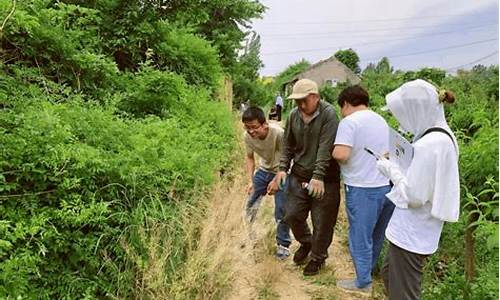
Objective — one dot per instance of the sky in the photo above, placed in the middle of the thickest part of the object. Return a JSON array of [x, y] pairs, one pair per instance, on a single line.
[[448, 34]]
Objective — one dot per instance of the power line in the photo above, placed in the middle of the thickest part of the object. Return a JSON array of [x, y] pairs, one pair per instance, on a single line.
[[433, 50], [372, 20], [448, 69], [359, 44], [359, 31], [350, 36], [473, 62]]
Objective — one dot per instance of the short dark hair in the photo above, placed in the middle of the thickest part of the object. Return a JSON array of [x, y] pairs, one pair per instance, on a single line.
[[253, 113], [354, 95]]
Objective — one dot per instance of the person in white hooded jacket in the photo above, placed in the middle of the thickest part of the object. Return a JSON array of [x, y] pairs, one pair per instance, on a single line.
[[426, 194]]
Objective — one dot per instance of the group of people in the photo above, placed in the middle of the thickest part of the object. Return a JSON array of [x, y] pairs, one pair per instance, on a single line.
[[301, 165]]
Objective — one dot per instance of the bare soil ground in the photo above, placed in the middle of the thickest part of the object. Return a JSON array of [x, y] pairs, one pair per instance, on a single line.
[[254, 272]]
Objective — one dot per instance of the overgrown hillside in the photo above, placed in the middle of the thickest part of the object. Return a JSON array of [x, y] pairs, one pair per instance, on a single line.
[[110, 132]]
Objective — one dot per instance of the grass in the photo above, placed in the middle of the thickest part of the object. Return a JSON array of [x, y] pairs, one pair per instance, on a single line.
[[186, 255], [326, 277], [323, 294], [269, 269], [267, 293], [265, 288]]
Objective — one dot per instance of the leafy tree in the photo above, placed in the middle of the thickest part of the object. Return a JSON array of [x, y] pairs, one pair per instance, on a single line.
[[249, 63], [433, 75], [369, 68], [289, 73], [246, 83], [127, 31], [350, 58], [383, 66]]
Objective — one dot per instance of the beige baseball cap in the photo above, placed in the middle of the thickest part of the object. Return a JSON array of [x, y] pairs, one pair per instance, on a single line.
[[303, 88]]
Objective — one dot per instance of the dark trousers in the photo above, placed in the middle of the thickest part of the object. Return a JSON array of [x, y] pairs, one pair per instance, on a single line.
[[323, 215], [278, 112], [402, 273]]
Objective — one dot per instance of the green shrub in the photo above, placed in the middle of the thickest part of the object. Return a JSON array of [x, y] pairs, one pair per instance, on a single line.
[[109, 135], [188, 55], [39, 34], [73, 175]]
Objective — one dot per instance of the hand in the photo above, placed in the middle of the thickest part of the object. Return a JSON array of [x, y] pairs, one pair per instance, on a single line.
[[272, 187], [281, 179], [316, 188], [384, 166], [249, 188], [390, 170]]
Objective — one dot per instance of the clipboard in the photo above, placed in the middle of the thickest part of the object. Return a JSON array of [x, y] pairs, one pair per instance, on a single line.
[[400, 150]]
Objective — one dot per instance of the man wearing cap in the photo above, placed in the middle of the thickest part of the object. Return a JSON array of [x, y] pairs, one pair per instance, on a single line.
[[314, 181]]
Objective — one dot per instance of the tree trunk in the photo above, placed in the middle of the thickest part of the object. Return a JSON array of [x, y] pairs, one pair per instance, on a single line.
[[469, 248]]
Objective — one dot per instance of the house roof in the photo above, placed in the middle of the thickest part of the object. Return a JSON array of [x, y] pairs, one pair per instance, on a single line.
[[315, 65]]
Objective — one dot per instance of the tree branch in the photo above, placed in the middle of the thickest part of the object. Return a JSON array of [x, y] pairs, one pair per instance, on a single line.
[[9, 15]]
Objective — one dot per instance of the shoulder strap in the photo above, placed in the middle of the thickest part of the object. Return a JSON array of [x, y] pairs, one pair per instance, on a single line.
[[439, 129]]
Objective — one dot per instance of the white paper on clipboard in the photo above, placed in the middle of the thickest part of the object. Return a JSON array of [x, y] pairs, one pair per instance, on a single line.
[[400, 150]]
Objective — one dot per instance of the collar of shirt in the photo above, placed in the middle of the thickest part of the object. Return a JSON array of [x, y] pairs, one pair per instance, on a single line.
[[314, 115]]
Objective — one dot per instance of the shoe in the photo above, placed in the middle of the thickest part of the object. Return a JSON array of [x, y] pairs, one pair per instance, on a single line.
[[301, 254], [313, 267], [282, 252], [350, 286]]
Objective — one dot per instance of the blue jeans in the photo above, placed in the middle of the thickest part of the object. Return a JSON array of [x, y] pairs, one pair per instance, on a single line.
[[369, 212], [261, 180]]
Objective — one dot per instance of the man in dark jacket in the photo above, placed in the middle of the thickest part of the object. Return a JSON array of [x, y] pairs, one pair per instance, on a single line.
[[314, 181]]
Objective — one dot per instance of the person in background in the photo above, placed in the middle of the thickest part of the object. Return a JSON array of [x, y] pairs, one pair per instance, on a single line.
[[273, 114], [368, 210], [426, 194], [314, 181], [279, 107], [266, 140], [244, 106]]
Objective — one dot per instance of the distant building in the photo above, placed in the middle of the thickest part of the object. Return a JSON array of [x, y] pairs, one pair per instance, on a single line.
[[329, 71]]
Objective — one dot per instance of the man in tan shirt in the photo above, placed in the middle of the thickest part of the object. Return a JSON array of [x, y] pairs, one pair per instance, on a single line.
[[266, 140]]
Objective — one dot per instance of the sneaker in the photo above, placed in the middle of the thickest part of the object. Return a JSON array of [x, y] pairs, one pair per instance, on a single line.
[[350, 286], [301, 254], [313, 267], [282, 252]]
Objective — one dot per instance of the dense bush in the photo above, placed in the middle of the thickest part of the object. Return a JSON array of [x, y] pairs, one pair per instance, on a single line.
[[255, 92], [184, 53], [330, 94], [109, 134], [38, 35], [73, 174]]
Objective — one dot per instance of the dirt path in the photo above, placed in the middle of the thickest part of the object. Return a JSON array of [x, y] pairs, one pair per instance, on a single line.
[[252, 270], [240, 268]]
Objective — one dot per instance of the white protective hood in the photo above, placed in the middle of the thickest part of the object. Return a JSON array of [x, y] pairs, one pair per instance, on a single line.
[[416, 107], [433, 173]]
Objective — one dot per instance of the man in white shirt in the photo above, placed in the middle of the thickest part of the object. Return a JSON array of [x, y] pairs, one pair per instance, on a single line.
[[368, 209], [279, 107]]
